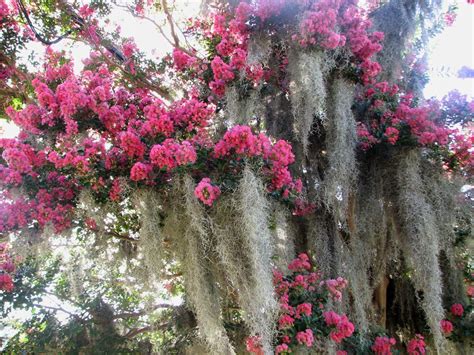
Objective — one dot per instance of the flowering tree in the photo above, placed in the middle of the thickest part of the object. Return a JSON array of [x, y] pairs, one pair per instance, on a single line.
[[271, 129]]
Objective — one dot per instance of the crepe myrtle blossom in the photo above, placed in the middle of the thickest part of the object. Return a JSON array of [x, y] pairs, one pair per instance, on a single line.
[[446, 327], [382, 345], [457, 310], [417, 346], [206, 192]]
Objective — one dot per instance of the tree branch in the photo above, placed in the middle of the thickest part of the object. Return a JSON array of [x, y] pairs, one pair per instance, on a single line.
[[137, 331], [164, 6], [141, 313], [122, 237], [113, 50], [58, 309], [160, 29]]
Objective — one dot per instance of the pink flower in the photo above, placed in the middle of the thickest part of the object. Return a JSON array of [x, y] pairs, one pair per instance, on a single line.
[[207, 192], [253, 345], [129, 47], [281, 348], [457, 309], [182, 60], [335, 287], [254, 73], [91, 223], [217, 87], [7, 266], [446, 327], [391, 133], [382, 345], [331, 318], [344, 328], [238, 139], [185, 154], [449, 18], [305, 337], [300, 281], [427, 138], [470, 291], [281, 154], [238, 59], [221, 70], [115, 190], [225, 48], [416, 346], [300, 264], [366, 139], [85, 11], [6, 283], [285, 321], [171, 154], [277, 277], [132, 145], [303, 308], [140, 171]]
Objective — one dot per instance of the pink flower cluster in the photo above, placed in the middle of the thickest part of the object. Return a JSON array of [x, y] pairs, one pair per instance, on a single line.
[[462, 151], [417, 346], [101, 131], [40, 206], [470, 291], [343, 327], [285, 321], [253, 345], [207, 192], [335, 287], [304, 309], [281, 348], [6, 282], [383, 345], [140, 171], [301, 263], [301, 300], [171, 154], [366, 139], [182, 60], [457, 310], [305, 337], [132, 145], [449, 18], [331, 23], [191, 114], [327, 23], [319, 26], [7, 267], [230, 33], [390, 114], [8, 11], [221, 70], [4, 10], [240, 141], [446, 327]]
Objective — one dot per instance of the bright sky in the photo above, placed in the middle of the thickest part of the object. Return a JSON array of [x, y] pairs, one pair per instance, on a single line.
[[449, 52]]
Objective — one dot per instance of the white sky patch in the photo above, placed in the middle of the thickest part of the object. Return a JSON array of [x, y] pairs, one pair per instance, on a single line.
[[449, 52]]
